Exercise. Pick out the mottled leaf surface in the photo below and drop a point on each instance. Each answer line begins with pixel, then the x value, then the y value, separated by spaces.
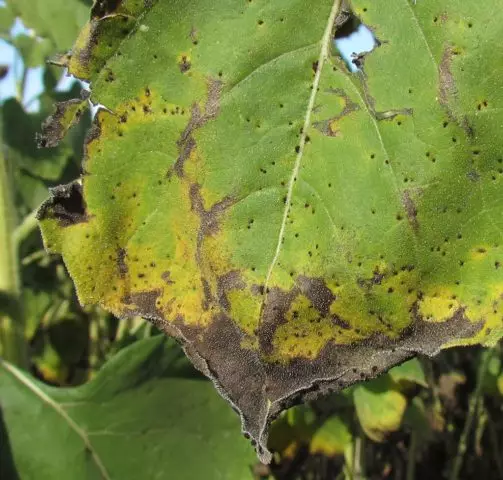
pixel 297 226
pixel 146 414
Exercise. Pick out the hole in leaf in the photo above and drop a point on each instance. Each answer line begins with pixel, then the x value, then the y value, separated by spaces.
pixel 353 40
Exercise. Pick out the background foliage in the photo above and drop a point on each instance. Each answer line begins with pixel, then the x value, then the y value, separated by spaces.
pixel 92 397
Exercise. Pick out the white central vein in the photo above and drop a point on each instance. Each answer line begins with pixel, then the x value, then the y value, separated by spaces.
pixel 18 375
pixel 324 51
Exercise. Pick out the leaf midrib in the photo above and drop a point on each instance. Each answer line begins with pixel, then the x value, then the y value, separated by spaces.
pixel 324 50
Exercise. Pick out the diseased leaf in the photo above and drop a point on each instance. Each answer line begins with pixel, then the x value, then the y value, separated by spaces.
pixel 35 169
pixel 140 417
pixel 297 226
pixel 66 115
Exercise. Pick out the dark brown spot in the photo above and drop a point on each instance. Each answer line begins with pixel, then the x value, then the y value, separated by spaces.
pixel 121 262
pixel 410 210
pixel 184 64
pixel 317 292
pixel 166 276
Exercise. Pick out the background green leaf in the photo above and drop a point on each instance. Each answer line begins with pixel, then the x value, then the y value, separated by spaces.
pixel 145 415
pixel 410 371
pixel 380 407
pixel 59 21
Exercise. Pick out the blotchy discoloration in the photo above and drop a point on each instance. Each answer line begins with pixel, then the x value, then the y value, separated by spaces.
pixel 326 127
pixel 209 224
pixel 340 322
pixel 66 115
pixel 318 293
pixel 391 114
pixel 314 336
pixel 185 150
pixel 209 218
pixel 448 91
pixel 370 102
pixel 368 283
pixel 110 22
pixel 66 204
pixel 143 304
pixel 186 143
pixel 208 298
pixel 121 262
pixel 262 390
pixel 446 85
pixel 166 276
pixel 184 64
pixel 230 281
pixel 274 315
pixel 410 210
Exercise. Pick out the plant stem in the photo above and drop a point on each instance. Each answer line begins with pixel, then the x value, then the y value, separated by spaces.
pixel 359 457
pixel 472 407
pixel 493 437
pixel 11 319
pixel 33 257
pixel 27 226
pixel 94 346
pixel 411 460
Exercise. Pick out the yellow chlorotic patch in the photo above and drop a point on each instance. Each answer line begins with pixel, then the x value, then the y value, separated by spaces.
pixel 438 308
pixel 304 334
pixel 76 67
pixel 480 252
pixel 245 309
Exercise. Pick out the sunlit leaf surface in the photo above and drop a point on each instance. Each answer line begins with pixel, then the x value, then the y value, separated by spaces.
pixel 297 226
